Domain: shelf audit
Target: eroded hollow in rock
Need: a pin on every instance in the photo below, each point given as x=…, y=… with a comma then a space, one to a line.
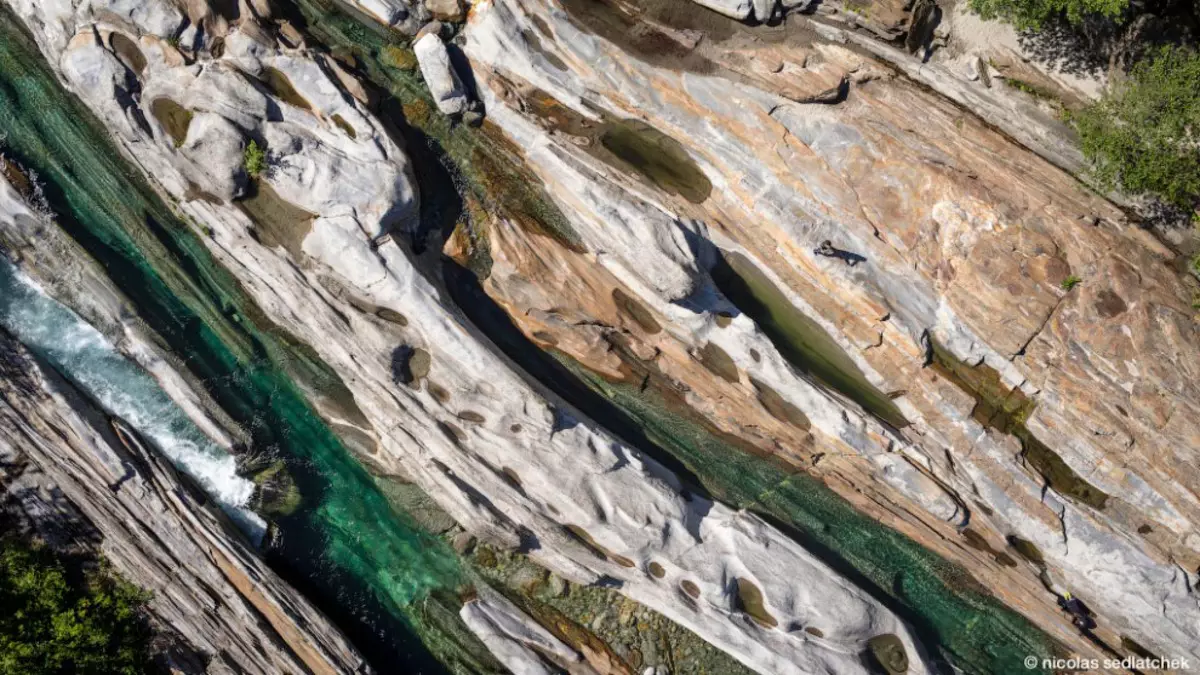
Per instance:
x=581, y=535
x=129, y=52
x=717, y=361
x=799, y=339
x=1026, y=549
x=750, y=602
x=1006, y=409
x=174, y=118
x=658, y=157
x=281, y=87
x=344, y=126
x=888, y=652
x=780, y=408
x=636, y=311
x=277, y=222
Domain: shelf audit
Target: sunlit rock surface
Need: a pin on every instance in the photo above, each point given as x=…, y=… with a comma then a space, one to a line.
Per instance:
x=439, y=74
x=966, y=239
x=692, y=158
x=501, y=458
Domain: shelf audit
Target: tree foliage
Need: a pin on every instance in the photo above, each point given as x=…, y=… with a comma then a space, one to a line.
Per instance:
x=55, y=620
x=254, y=159
x=1035, y=14
x=1144, y=135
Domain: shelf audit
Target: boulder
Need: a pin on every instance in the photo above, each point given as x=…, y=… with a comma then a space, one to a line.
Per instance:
x=734, y=9
x=447, y=90
x=445, y=10
x=214, y=144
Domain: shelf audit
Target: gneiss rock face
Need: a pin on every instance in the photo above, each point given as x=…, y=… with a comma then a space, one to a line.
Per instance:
x=668, y=162
x=109, y=492
x=966, y=239
x=502, y=459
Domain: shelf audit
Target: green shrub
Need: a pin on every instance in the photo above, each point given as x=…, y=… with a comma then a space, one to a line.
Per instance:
x=1070, y=282
x=1143, y=135
x=254, y=159
x=59, y=620
x=1035, y=14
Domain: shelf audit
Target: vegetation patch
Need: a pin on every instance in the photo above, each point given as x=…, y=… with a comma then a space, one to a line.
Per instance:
x=1144, y=134
x=1036, y=91
x=59, y=616
x=1036, y=14
x=254, y=159
x=1006, y=410
x=396, y=56
x=173, y=118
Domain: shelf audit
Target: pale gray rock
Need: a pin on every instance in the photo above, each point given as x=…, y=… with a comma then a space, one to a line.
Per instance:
x=736, y=9
x=515, y=639
x=215, y=145
x=157, y=18
x=444, y=84
x=445, y=10
x=404, y=15
x=763, y=9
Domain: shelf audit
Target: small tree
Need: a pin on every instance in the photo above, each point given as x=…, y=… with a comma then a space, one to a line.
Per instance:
x=59, y=620
x=1035, y=14
x=1144, y=135
x=254, y=159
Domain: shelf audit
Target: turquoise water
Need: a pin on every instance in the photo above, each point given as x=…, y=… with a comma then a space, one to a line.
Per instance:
x=365, y=564
x=955, y=617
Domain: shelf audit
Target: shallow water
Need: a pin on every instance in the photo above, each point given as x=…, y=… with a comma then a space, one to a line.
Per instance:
x=800, y=339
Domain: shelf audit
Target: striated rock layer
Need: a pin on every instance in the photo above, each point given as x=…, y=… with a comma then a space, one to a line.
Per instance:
x=309, y=247
x=82, y=485
x=964, y=240
x=944, y=383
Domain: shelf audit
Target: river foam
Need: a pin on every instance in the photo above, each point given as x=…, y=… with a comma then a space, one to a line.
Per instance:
x=83, y=355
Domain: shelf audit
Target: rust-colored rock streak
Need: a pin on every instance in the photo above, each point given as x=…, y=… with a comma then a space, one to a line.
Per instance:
x=966, y=238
